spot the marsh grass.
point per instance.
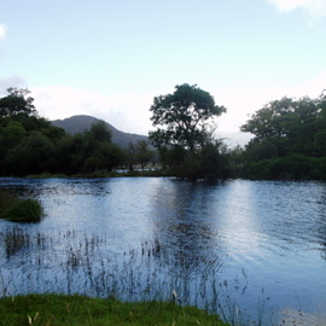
(15, 209)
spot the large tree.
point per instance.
(184, 117)
(16, 102)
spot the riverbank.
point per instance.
(50, 309)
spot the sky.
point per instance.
(109, 58)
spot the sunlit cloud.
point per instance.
(3, 31)
(316, 8)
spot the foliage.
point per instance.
(284, 127)
(184, 137)
(31, 145)
(209, 163)
(17, 102)
(289, 142)
(139, 153)
(32, 155)
(78, 310)
(294, 167)
(184, 116)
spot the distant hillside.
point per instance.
(79, 123)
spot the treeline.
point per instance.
(289, 140)
(29, 144)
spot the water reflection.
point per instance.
(183, 222)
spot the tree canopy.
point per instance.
(17, 102)
(184, 117)
(290, 139)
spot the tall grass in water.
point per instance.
(71, 263)
(19, 210)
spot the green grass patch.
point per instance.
(15, 209)
(78, 310)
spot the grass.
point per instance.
(15, 209)
(73, 310)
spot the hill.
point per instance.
(80, 123)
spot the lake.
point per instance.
(254, 252)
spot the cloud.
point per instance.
(316, 8)
(14, 81)
(126, 112)
(3, 31)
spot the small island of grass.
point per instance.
(15, 209)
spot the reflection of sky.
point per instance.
(239, 223)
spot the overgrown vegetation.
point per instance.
(78, 310)
(15, 209)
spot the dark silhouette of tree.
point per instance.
(184, 117)
(17, 102)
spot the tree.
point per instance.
(17, 102)
(184, 116)
(283, 127)
(143, 153)
(33, 155)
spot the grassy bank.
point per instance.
(15, 209)
(79, 310)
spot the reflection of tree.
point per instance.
(182, 218)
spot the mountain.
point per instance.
(80, 123)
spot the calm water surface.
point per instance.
(251, 251)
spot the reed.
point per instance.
(74, 264)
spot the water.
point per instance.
(255, 252)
